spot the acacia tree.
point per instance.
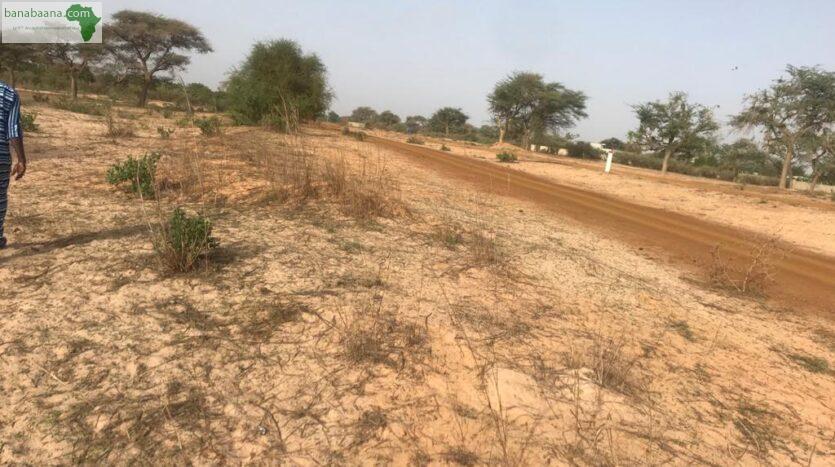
(146, 44)
(792, 109)
(672, 125)
(448, 119)
(73, 59)
(526, 103)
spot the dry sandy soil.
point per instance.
(450, 326)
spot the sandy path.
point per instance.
(806, 278)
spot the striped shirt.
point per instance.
(9, 121)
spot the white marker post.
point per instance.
(609, 154)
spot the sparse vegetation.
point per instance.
(811, 363)
(139, 172)
(415, 140)
(445, 148)
(117, 129)
(184, 241)
(80, 106)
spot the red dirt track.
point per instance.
(803, 280)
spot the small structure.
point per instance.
(357, 125)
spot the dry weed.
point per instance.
(752, 278)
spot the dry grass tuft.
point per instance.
(364, 193)
(484, 248)
(613, 366)
(461, 455)
(381, 337)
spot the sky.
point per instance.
(413, 57)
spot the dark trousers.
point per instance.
(4, 193)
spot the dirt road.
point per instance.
(803, 280)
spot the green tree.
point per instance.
(524, 102)
(794, 107)
(278, 85)
(743, 155)
(333, 117)
(387, 119)
(613, 143)
(415, 123)
(146, 44)
(448, 119)
(365, 115)
(672, 125)
(16, 57)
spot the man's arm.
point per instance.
(15, 135)
(20, 167)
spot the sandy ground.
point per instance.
(462, 329)
(793, 216)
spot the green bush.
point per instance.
(506, 157)
(165, 133)
(584, 150)
(139, 172)
(278, 85)
(184, 240)
(80, 106)
(208, 126)
(27, 121)
(414, 140)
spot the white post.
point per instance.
(609, 154)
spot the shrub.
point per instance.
(414, 140)
(184, 240)
(208, 126)
(583, 150)
(139, 172)
(167, 113)
(506, 157)
(79, 106)
(27, 121)
(42, 98)
(165, 133)
(444, 148)
(184, 122)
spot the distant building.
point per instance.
(359, 125)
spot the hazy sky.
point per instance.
(413, 57)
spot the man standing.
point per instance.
(10, 135)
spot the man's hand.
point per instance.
(18, 170)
